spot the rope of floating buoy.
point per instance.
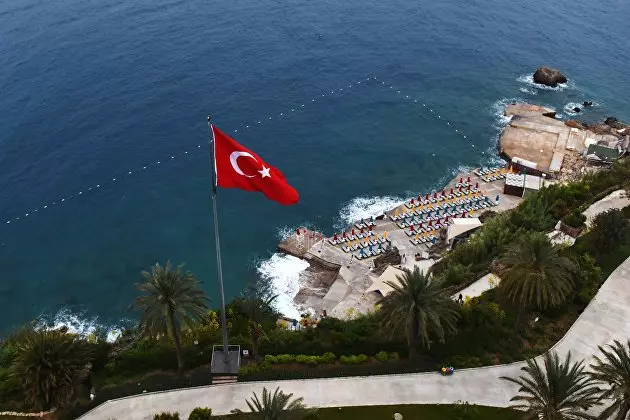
(184, 154)
(457, 131)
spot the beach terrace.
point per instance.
(417, 228)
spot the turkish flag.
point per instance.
(239, 167)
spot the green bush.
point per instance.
(574, 219)
(610, 230)
(462, 410)
(200, 414)
(393, 356)
(328, 358)
(353, 360)
(271, 359)
(254, 368)
(307, 360)
(382, 356)
(285, 358)
(166, 416)
(7, 354)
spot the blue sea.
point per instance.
(93, 94)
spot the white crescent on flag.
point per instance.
(234, 161)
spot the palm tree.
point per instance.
(614, 370)
(49, 364)
(419, 305)
(536, 273)
(559, 391)
(277, 406)
(171, 298)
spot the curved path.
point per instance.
(605, 319)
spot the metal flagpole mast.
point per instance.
(217, 242)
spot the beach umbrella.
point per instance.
(434, 195)
(417, 236)
(353, 234)
(426, 197)
(370, 248)
(371, 227)
(461, 180)
(376, 236)
(437, 212)
(468, 180)
(404, 210)
(396, 212)
(361, 252)
(433, 240)
(372, 219)
(497, 198)
(468, 187)
(335, 237)
(411, 228)
(385, 234)
(344, 235)
(443, 193)
(451, 191)
(476, 185)
(412, 202)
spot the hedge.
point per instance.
(394, 367)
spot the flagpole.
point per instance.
(217, 242)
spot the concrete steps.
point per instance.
(227, 379)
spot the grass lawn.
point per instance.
(409, 412)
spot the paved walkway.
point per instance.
(603, 320)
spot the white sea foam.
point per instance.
(528, 91)
(528, 79)
(80, 324)
(284, 272)
(568, 108)
(363, 207)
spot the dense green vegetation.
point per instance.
(416, 328)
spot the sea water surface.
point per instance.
(93, 90)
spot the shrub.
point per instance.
(610, 229)
(328, 358)
(462, 410)
(308, 360)
(254, 368)
(166, 416)
(271, 359)
(353, 360)
(574, 219)
(382, 356)
(200, 414)
(393, 356)
(8, 352)
(285, 358)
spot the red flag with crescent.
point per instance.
(239, 167)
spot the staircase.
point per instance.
(224, 379)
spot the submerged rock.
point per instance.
(587, 103)
(549, 77)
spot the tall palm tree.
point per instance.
(536, 273)
(171, 298)
(277, 406)
(49, 364)
(419, 305)
(614, 370)
(557, 391)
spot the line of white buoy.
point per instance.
(428, 108)
(120, 177)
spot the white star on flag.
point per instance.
(265, 172)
